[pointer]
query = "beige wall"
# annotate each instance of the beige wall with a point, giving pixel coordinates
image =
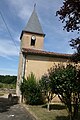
(26, 41)
(19, 76)
(40, 64)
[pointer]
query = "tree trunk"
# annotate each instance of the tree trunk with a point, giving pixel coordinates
(70, 116)
(75, 114)
(48, 106)
(70, 111)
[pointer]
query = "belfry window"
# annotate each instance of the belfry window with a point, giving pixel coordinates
(33, 39)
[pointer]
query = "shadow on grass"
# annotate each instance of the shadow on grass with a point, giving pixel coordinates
(55, 106)
(5, 104)
(67, 117)
(62, 118)
(78, 117)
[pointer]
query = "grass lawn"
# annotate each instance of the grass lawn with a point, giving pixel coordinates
(8, 86)
(1, 94)
(57, 112)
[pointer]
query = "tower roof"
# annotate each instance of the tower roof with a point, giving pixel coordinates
(33, 24)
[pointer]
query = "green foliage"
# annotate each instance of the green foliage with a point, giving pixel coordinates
(65, 83)
(70, 14)
(8, 86)
(31, 90)
(1, 85)
(45, 86)
(75, 44)
(45, 83)
(63, 78)
(8, 79)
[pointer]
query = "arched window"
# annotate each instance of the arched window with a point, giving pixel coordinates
(33, 39)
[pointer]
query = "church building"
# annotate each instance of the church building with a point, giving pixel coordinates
(33, 58)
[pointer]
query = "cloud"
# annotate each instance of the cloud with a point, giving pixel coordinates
(58, 46)
(7, 48)
(56, 37)
(22, 7)
(7, 71)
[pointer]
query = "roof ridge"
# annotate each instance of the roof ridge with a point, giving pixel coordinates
(28, 50)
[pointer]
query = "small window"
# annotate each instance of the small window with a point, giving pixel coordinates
(33, 39)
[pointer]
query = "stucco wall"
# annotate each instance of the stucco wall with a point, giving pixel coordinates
(40, 64)
(26, 41)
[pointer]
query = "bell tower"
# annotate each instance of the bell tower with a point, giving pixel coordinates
(32, 35)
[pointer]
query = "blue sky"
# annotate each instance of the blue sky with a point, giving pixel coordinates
(16, 14)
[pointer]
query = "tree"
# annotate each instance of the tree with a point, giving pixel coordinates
(7, 79)
(45, 86)
(65, 83)
(70, 14)
(75, 44)
(30, 90)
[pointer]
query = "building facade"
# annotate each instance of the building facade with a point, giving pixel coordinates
(32, 56)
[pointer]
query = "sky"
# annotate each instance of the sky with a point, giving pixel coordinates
(15, 14)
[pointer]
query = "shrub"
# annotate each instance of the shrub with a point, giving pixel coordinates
(1, 85)
(31, 91)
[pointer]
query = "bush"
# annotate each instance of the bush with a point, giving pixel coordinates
(7, 79)
(1, 85)
(31, 91)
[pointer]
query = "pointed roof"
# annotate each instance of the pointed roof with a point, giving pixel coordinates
(33, 24)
